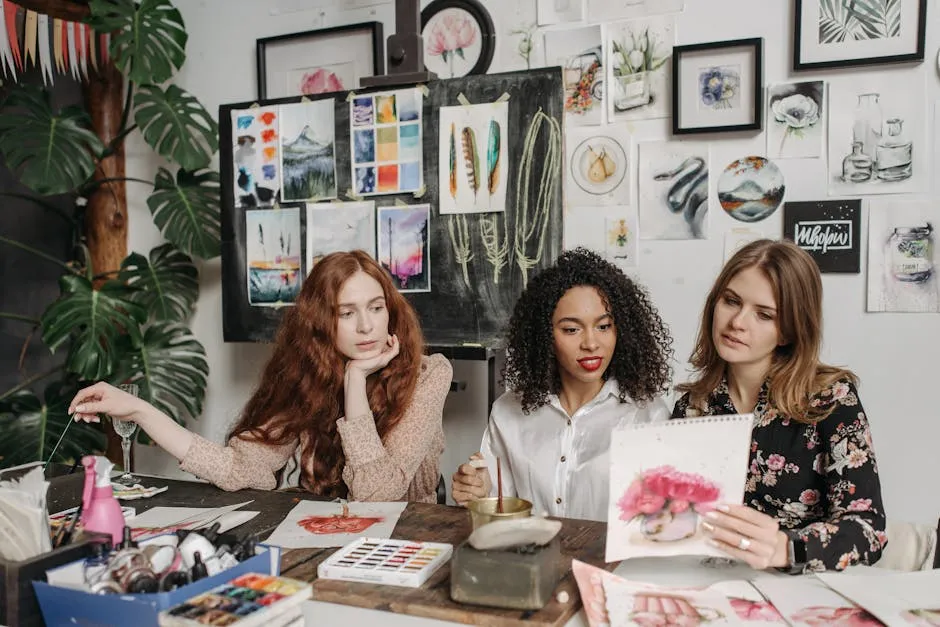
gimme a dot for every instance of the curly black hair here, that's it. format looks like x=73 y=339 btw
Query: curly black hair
x=640 y=362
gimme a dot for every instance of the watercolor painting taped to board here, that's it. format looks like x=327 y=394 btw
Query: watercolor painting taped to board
x=386 y=149
x=317 y=524
x=474 y=158
x=255 y=156
x=273 y=256
x=308 y=158
x=339 y=226
x=403 y=246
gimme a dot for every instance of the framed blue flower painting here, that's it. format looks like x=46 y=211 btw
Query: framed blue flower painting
x=717 y=87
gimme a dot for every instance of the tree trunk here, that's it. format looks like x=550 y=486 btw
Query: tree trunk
x=106 y=214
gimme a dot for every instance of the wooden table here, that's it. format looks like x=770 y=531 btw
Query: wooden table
x=581 y=539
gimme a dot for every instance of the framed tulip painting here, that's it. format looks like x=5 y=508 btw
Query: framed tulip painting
x=718 y=86
x=319 y=61
x=459 y=38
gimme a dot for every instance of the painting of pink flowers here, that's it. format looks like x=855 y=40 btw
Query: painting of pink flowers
x=321 y=79
x=667 y=489
x=458 y=38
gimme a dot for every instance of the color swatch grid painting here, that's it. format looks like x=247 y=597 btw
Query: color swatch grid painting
x=403 y=248
x=474 y=158
x=385 y=142
x=339 y=226
x=255 y=154
x=308 y=157
x=273 y=256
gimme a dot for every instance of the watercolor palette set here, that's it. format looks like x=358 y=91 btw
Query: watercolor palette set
x=384 y=561
x=248 y=600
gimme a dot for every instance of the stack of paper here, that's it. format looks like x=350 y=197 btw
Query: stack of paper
x=24 y=521
x=162 y=520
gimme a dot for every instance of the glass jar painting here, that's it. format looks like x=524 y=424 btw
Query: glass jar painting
x=893 y=154
x=856 y=167
x=911 y=253
x=881 y=149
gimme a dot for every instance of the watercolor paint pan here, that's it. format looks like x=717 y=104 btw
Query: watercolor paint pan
x=386 y=561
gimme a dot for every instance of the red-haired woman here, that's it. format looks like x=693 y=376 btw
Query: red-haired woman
x=348 y=385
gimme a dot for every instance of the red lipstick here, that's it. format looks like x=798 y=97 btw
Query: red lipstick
x=590 y=363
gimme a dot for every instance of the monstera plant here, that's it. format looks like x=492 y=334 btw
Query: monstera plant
x=128 y=324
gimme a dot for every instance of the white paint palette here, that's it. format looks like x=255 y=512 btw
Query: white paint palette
x=384 y=561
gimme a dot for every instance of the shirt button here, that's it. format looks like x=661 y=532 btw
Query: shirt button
x=569 y=422
x=558 y=500
x=563 y=458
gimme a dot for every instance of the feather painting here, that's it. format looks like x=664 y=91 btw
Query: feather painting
x=453 y=162
x=492 y=157
x=471 y=158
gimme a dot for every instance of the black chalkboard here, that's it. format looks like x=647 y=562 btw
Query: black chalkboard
x=457 y=310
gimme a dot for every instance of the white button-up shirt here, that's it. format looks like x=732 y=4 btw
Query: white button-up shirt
x=561 y=463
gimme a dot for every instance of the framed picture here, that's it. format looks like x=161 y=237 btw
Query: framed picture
x=319 y=61
x=459 y=38
x=718 y=86
x=845 y=33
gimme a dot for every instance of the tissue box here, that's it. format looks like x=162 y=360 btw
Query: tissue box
x=68 y=606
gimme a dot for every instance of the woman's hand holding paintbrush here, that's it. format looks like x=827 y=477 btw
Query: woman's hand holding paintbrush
x=471 y=481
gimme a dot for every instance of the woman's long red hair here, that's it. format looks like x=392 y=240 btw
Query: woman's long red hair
x=301 y=387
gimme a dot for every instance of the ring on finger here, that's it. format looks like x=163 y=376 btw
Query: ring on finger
x=744 y=544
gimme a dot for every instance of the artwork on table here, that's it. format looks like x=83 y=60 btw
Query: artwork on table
x=622 y=241
x=319 y=61
x=796 y=115
x=322 y=524
x=739 y=237
x=403 y=248
x=459 y=38
x=749 y=605
x=473 y=154
x=579 y=52
x=807 y=602
x=597 y=165
x=307 y=151
x=386 y=142
x=665 y=476
x=878 y=134
x=829 y=230
x=559 y=11
x=590 y=580
x=907 y=599
x=837 y=33
x=751 y=188
x=639 y=53
x=335 y=227
x=718 y=86
x=673 y=190
x=255 y=156
x=902 y=263
x=272 y=255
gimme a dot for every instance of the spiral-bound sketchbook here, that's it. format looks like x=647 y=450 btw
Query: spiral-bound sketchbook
x=665 y=476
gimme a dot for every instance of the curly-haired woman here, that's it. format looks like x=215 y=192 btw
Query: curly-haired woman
x=347 y=385
x=587 y=351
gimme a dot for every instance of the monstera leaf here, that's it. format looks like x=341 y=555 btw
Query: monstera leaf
x=187 y=210
x=148 y=40
x=167 y=285
x=94 y=320
x=31 y=427
x=53 y=153
x=170 y=367
x=175 y=125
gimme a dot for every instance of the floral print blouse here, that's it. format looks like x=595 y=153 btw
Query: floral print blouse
x=820 y=481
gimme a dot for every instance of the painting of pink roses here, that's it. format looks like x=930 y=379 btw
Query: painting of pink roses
x=458 y=38
x=668 y=501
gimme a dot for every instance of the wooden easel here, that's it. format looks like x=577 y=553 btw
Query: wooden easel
x=404 y=50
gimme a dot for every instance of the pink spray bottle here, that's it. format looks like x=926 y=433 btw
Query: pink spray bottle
x=100 y=510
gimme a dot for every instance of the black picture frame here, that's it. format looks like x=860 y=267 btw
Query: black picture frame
x=374 y=30
x=756 y=98
x=484 y=22
x=800 y=65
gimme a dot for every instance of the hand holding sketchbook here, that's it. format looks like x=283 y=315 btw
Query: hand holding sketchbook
x=664 y=476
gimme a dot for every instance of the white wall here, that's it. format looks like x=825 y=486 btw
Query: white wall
x=894 y=354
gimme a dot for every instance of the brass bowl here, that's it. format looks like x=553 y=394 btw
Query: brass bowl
x=483 y=511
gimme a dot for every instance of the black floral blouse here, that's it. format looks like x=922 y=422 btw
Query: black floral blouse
x=819 y=481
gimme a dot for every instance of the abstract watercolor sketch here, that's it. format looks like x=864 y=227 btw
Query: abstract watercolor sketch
x=308 y=161
x=386 y=142
x=255 y=156
x=474 y=155
x=665 y=477
x=673 y=190
x=878 y=141
x=579 y=52
x=317 y=524
x=750 y=189
x=795 y=120
x=321 y=80
x=639 y=53
x=403 y=248
x=335 y=227
x=719 y=87
x=858 y=20
x=902 y=260
x=597 y=165
x=273 y=256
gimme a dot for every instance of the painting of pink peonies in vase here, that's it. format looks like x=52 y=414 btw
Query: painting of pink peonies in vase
x=668 y=503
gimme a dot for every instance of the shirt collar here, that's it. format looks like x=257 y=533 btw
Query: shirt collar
x=610 y=388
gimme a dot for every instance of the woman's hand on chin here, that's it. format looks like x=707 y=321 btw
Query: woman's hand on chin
x=371 y=365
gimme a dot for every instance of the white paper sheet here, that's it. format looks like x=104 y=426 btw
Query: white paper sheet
x=319 y=524
x=160 y=520
x=897 y=599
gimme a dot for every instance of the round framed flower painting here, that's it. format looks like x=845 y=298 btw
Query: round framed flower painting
x=459 y=38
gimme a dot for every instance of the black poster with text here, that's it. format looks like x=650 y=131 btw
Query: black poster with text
x=828 y=230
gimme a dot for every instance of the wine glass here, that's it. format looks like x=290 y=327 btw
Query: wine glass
x=126 y=429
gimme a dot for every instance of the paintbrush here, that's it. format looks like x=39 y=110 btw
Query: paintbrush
x=499 y=487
